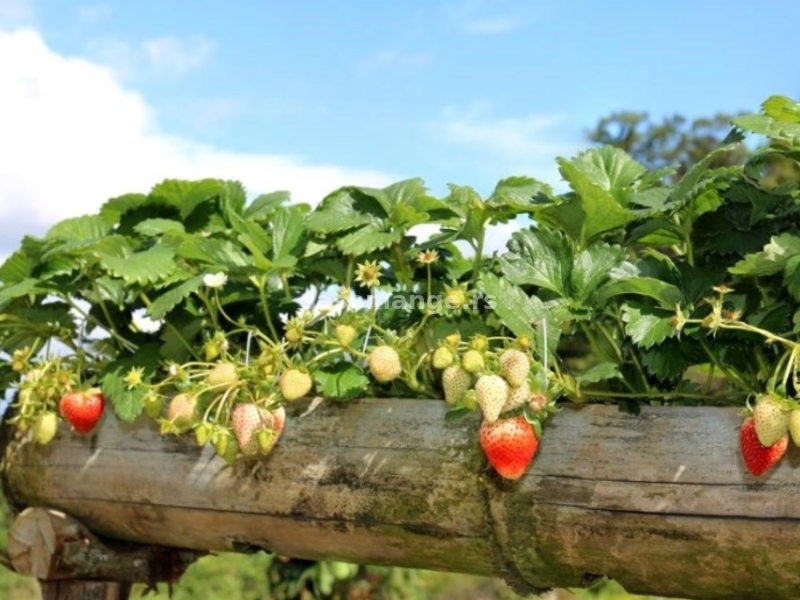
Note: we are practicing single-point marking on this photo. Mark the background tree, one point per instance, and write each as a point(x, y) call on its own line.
point(674, 141)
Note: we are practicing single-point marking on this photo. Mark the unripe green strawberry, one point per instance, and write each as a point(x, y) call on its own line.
point(794, 426)
point(345, 334)
point(294, 384)
point(479, 343)
point(45, 427)
point(201, 433)
point(518, 396)
point(153, 405)
point(455, 381)
point(223, 374)
point(220, 439)
point(472, 361)
point(248, 419)
point(182, 412)
point(491, 392)
point(442, 357)
point(771, 420)
point(384, 364)
point(212, 350)
point(514, 366)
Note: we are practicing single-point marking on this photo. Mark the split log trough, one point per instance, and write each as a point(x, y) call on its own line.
point(660, 502)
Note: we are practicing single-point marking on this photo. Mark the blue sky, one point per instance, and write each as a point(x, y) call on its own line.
point(464, 91)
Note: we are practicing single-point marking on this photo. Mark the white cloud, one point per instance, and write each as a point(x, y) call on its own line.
point(92, 13)
point(397, 58)
point(162, 56)
point(73, 136)
point(491, 25)
point(487, 17)
point(15, 12)
point(173, 54)
point(527, 144)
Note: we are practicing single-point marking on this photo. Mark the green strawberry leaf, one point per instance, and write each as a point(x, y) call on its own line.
point(157, 227)
point(539, 257)
point(647, 326)
point(344, 209)
point(288, 231)
point(593, 267)
point(17, 267)
point(149, 266)
point(520, 313)
point(127, 403)
point(772, 259)
point(162, 305)
point(265, 205)
point(600, 372)
point(368, 239)
point(341, 381)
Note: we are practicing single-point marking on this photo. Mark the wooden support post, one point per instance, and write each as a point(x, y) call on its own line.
point(71, 563)
point(84, 590)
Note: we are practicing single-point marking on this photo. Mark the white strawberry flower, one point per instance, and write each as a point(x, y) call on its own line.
point(215, 280)
point(141, 322)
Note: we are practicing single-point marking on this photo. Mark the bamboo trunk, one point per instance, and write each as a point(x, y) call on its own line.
point(661, 501)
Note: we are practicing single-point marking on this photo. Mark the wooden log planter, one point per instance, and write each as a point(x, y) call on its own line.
point(660, 502)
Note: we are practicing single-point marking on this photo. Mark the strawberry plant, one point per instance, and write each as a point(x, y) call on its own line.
point(207, 310)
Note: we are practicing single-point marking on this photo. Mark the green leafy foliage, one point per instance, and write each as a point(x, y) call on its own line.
point(616, 282)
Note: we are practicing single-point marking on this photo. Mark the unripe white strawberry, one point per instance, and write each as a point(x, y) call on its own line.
point(45, 427)
point(455, 381)
point(267, 440)
point(517, 396)
point(294, 384)
point(491, 391)
point(514, 366)
point(771, 420)
point(472, 361)
point(223, 374)
point(794, 426)
point(248, 420)
point(182, 412)
point(442, 357)
point(384, 364)
point(345, 334)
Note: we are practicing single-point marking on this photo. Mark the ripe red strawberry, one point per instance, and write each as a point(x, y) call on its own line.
point(294, 384)
point(509, 444)
point(82, 409)
point(514, 366)
point(759, 458)
point(223, 374)
point(182, 412)
point(517, 396)
point(248, 420)
point(491, 391)
point(794, 426)
point(455, 381)
point(771, 419)
point(384, 364)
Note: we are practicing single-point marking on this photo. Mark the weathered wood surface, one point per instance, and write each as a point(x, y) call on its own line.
point(661, 502)
point(50, 545)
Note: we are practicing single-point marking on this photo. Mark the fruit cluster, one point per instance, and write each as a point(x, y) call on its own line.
point(764, 436)
point(237, 404)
